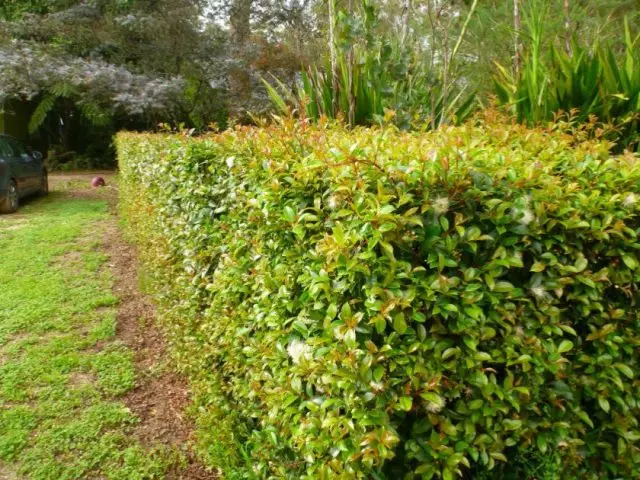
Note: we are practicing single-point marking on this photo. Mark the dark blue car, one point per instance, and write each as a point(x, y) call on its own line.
point(22, 173)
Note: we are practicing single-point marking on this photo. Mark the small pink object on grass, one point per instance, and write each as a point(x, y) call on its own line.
point(98, 182)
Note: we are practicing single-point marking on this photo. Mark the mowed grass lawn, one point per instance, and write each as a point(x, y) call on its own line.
point(63, 373)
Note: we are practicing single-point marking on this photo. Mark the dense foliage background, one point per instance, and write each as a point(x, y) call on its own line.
point(370, 303)
point(92, 67)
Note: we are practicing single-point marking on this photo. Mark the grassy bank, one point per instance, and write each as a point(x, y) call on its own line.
point(64, 374)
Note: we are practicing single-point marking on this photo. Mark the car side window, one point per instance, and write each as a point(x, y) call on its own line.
point(18, 149)
point(5, 149)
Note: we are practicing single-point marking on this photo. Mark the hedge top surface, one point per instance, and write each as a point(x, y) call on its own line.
point(373, 303)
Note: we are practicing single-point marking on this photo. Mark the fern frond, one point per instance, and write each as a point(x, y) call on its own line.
point(63, 89)
point(96, 115)
point(40, 113)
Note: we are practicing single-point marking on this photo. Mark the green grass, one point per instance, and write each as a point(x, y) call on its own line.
point(62, 371)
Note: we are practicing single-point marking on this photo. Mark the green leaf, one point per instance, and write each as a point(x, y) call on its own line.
point(625, 369)
point(541, 442)
point(350, 337)
point(289, 214)
point(584, 417)
point(512, 424)
point(482, 356)
point(405, 403)
point(387, 248)
point(399, 323)
point(629, 261)
point(345, 312)
point(538, 267)
point(569, 330)
point(498, 456)
point(490, 282)
point(521, 359)
point(503, 286)
point(449, 352)
point(434, 398)
point(418, 317)
point(565, 346)
point(290, 400)
point(581, 264)
point(332, 310)
point(387, 227)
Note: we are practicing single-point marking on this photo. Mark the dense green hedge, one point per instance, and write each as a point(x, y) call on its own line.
point(378, 304)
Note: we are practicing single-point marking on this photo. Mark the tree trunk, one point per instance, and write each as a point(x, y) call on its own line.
point(567, 27)
point(239, 77)
point(406, 15)
point(516, 27)
point(333, 55)
point(351, 60)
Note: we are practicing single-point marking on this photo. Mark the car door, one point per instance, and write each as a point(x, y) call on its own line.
point(16, 166)
point(26, 167)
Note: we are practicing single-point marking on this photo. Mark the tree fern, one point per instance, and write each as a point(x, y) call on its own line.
point(95, 113)
point(39, 115)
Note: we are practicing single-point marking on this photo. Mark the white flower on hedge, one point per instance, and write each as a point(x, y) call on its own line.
point(441, 205)
point(434, 407)
point(298, 351)
point(540, 293)
point(629, 200)
point(332, 203)
point(522, 212)
point(230, 161)
point(524, 215)
point(527, 217)
point(377, 386)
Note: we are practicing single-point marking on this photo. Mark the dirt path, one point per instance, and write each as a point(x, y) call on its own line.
point(116, 356)
point(160, 397)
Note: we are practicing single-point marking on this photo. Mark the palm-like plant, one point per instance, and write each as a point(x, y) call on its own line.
point(593, 82)
point(371, 76)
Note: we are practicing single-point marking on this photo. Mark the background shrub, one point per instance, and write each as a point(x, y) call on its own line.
point(598, 83)
point(378, 304)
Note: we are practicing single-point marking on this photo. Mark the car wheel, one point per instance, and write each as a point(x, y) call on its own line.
point(12, 200)
point(44, 184)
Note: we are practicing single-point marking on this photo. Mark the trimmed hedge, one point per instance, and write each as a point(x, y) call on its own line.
point(378, 304)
